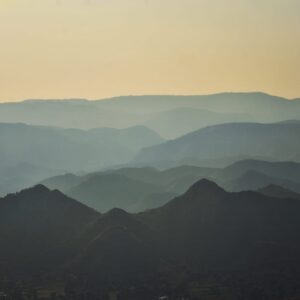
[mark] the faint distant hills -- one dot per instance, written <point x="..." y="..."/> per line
<point x="277" y="141"/>
<point x="18" y="175"/>
<point x="179" y="121"/>
<point x="252" y="180"/>
<point x="29" y="154"/>
<point x="107" y="191"/>
<point x="35" y="152"/>
<point x="138" y="189"/>
<point x="170" y="116"/>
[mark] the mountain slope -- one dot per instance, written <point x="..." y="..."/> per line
<point x="286" y="170"/>
<point x="190" y="119"/>
<point x="63" y="182"/>
<point x="138" y="189"/>
<point x="119" y="248"/>
<point x="20" y="175"/>
<point x="104" y="192"/>
<point x="278" y="141"/>
<point x="252" y="180"/>
<point x="49" y="151"/>
<point x="261" y="105"/>
<point x="35" y="221"/>
<point x="205" y="231"/>
<point x="211" y="228"/>
<point x="278" y="191"/>
<point x="73" y="149"/>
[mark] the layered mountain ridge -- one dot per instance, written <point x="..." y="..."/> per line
<point x="137" y="189"/>
<point x="206" y="225"/>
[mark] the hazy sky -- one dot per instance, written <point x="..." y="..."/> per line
<point x="100" y="48"/>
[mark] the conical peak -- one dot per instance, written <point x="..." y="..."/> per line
<point x="204" y="186"/>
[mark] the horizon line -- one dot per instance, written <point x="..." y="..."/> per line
<point x="144" y="95"/>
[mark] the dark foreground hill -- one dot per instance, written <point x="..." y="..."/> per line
<point x="205" y="235"/>
<point x="35" y="222"/>
<point x="223" y="230"/>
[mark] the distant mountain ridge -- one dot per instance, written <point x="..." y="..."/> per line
<point x="179" y="121"/>
<point x="138" y="189"/>
<point x="47" y="151"/>
<point x="278" y="141"/>
<point x="104" y="192"/>
<point x="160" y="112"/>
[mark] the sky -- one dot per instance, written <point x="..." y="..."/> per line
<point x="101" y="48"/>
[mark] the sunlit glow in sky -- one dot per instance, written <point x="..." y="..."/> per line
<point x="101" y="48"/>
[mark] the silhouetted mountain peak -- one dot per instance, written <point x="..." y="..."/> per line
<point x="204" y="186"/>
<point x="117" y="213"/>
<point x="114" y="217"/>
<point x="201" y="194"/>
<point x="37" y="190"/>
<point x="118" y="218"/>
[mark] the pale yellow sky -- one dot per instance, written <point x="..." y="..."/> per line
<point x="100" y="48"/>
